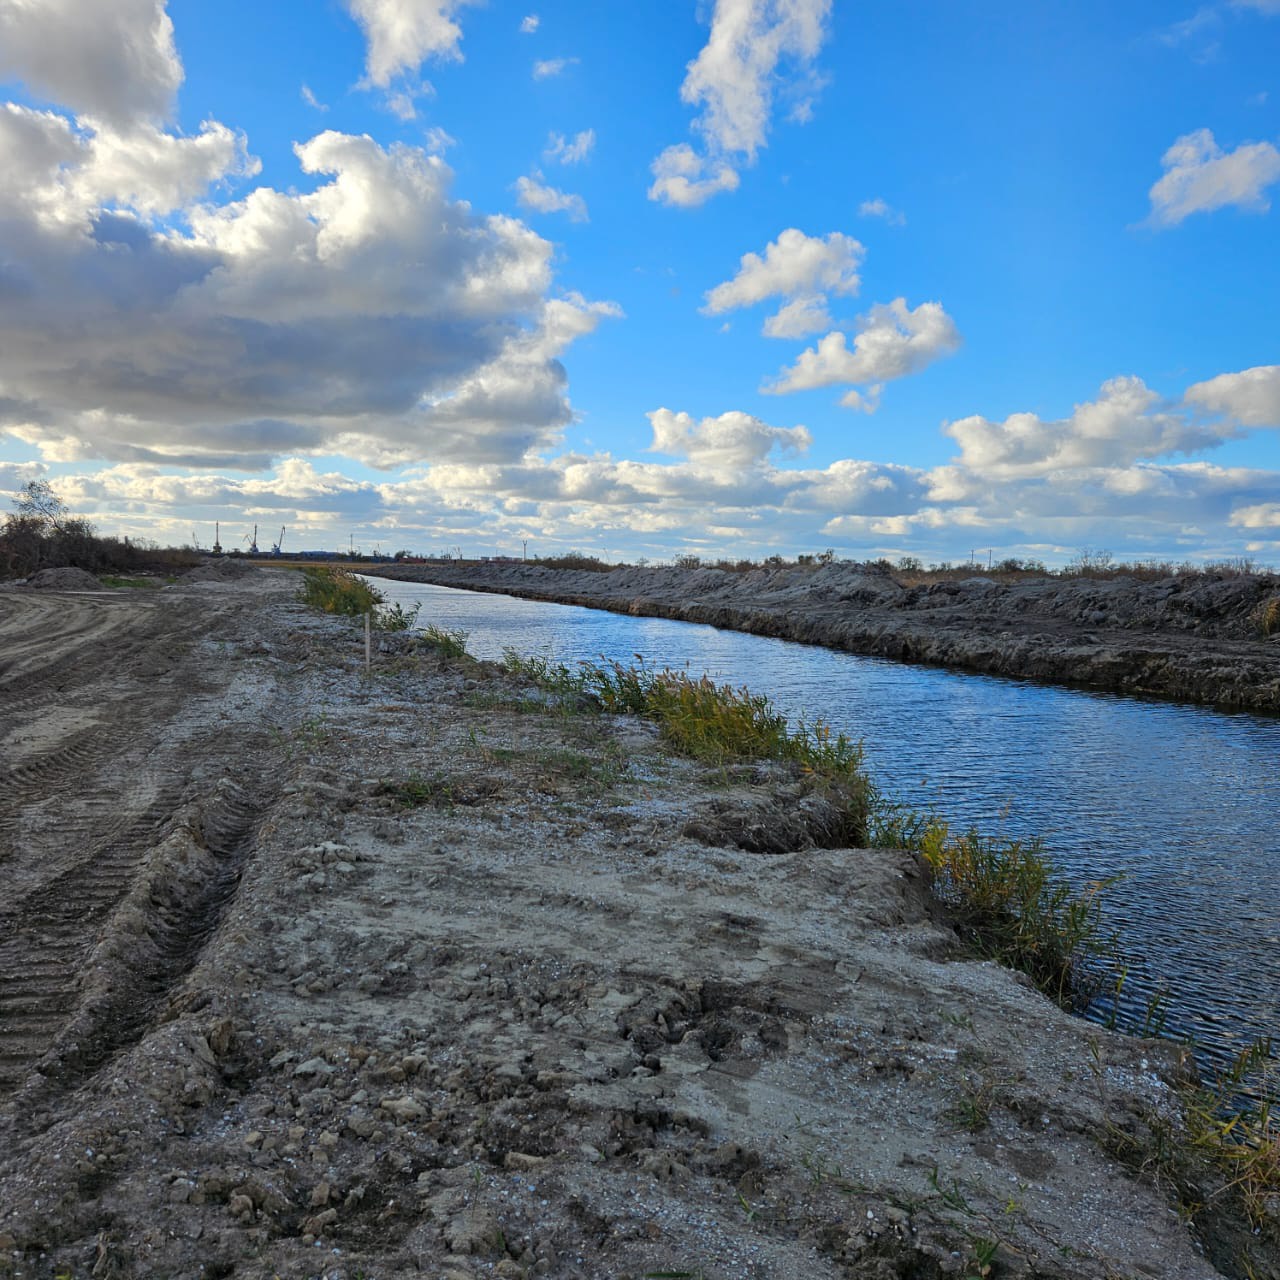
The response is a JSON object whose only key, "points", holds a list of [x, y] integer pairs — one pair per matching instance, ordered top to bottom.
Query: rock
{"points": [[314, 1067], [403, 1108], [522, 1160], [241, 1206], [315, 1225], [473, 1231]]}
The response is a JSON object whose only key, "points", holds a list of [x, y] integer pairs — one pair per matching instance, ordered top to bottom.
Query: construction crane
{"points": [[253, 542], [275, 551]]}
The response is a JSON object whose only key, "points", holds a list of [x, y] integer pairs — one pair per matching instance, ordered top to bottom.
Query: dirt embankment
{"points": [[1197, 639], [311, 972]]}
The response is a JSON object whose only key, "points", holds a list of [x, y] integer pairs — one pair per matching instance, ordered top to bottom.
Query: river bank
{"points": [[1195, 639], [313, 971]]}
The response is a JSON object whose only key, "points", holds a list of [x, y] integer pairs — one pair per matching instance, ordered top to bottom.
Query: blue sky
{"points": [[729, 278]]}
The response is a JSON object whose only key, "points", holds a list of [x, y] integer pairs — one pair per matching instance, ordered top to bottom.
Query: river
{"points": [[1181, 802]]}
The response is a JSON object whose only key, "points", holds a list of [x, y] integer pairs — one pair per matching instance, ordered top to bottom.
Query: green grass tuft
{"points": [[449, 644]]}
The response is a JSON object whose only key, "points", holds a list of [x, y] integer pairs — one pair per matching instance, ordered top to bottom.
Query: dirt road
{"points": [[308, 972]]}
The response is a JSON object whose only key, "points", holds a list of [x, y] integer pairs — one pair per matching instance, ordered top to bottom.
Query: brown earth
{"points": [[1197, 638], [311, 972]]}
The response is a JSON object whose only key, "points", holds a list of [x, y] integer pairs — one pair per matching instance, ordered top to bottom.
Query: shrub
{"points": [[575, 560], [338, 591]]}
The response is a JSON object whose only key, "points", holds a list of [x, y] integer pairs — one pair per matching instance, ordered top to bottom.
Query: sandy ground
{"points": [[1197, 638], [311, 972]]}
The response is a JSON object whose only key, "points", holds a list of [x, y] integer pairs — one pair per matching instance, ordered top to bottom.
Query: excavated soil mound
{"points": [[219, 571], [63, 580]]}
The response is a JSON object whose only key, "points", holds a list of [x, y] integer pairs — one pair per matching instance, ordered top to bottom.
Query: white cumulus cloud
{"points": [[530, 24], [403, 34], [732, 84], [1200, 177], [683, 178], [533, 193], [800, 268], [893, 341], [1251, 397], [1125, 424], [731, 441]]}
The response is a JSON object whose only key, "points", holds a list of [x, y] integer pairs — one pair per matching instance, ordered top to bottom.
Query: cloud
{"points": [[1267, 7], [1204, 19], [530, 24], [403, 34], [114, 61], [545, 69], [732, 80], [732, 83], [311, 100], [403, 102], [438, 140], [573, 151], [60, 175], [1200, 177], [685, 179], [533, 193], [879, 208], [800, 268], [373, 316], [798, 318], [892, 342], [1251, 397], [1125, 424], [731, 441], [1051, 494], [1266, 515]]}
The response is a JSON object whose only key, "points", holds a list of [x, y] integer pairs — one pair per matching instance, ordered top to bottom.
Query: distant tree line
{"points": [[41, 533]]}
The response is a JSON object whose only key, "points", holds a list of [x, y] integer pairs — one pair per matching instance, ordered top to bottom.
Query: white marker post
{"points": [[368, 641]]}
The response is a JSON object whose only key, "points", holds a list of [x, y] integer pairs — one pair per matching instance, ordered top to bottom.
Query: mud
{"points": [[1196, 638], [308, 971]]}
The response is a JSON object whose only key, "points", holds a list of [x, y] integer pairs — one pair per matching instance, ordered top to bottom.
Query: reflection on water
{"points": [[1182, 802]]}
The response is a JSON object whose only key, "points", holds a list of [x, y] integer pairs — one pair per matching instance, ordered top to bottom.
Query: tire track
{"points": [[116, 859]]}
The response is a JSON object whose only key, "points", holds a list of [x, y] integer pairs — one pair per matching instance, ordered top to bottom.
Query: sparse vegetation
{"points": [[141, 584], [338, 591], [396, 618], [714, 723], [1007, 901], [1219, 1153]]}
